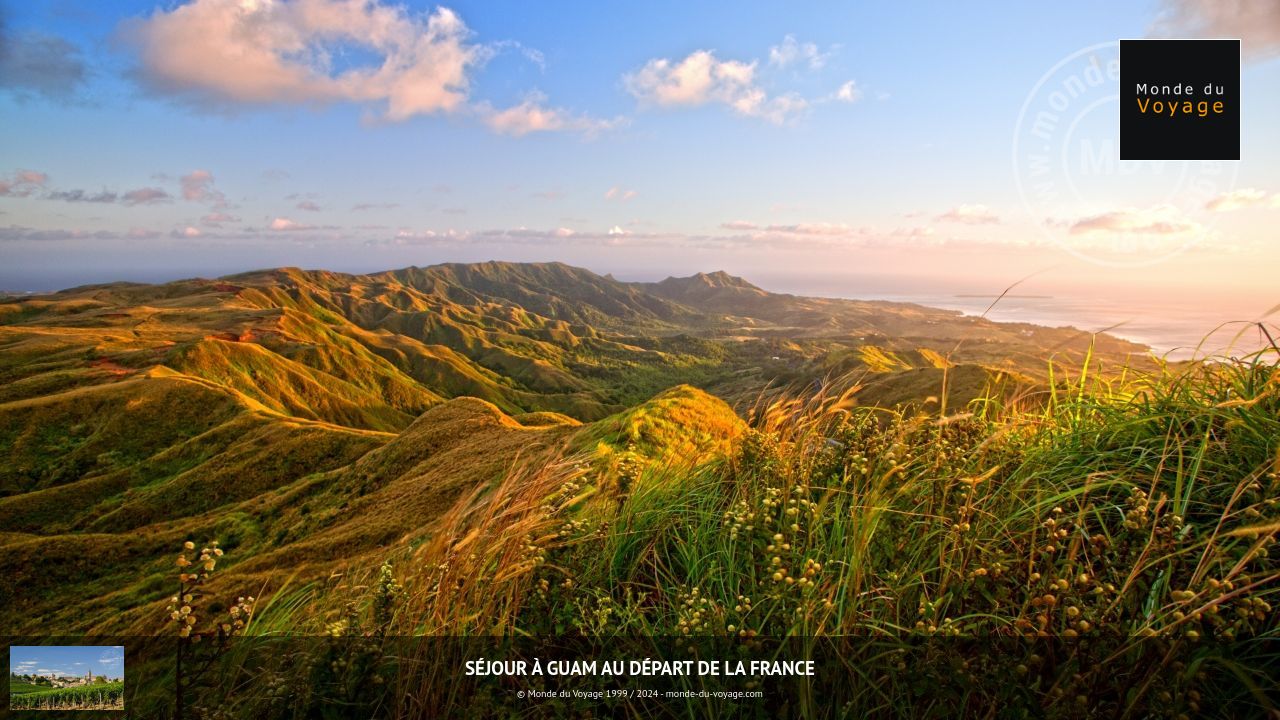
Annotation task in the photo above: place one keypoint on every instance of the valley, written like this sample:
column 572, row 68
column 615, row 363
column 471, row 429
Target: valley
column 308, row 419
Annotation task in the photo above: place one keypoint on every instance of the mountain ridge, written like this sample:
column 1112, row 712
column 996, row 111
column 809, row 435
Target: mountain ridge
column 307, row 416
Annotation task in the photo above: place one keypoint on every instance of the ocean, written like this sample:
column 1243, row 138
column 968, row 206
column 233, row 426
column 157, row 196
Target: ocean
column 1176, row 331
column 1175, row 325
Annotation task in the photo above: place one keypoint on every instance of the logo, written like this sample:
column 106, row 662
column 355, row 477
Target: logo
column 1180, row 99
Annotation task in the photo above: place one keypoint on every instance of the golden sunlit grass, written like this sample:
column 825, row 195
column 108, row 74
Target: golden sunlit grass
column 1113, row 508
column 888, row 483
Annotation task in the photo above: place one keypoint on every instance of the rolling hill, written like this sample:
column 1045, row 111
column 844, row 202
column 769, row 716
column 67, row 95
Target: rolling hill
column 307, row 419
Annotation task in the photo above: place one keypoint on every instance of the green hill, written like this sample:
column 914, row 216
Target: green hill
column 308, row 419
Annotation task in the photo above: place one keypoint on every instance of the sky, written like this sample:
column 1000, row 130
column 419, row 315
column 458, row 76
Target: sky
column 67, row 660
column 852, row 149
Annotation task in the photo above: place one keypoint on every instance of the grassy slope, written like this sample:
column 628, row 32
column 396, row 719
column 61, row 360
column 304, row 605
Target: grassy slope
column 375, row 351
column 256, row 408
column 1112, row 510
column 451, row 456
column 150, row 455
column 1117, row 500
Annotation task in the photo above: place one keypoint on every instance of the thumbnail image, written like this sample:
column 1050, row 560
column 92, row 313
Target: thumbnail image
column 66, row 677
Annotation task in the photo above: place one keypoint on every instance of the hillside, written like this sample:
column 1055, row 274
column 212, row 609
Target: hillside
column 1062, row 561
column 311, row 418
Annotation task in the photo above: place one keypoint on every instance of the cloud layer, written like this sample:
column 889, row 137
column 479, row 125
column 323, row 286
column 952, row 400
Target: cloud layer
column 289, row 225
column 131, row 198
column 532, row 115
column 38, row 64
column 1158, row 220
column 792, row 52
column 22, row 183
column 1242, row 198
column 970, row 215
column 1255, row 22
column 197, row 186
column 266, row 52
column 295, row 52
column 701, row 78
column 28, row 183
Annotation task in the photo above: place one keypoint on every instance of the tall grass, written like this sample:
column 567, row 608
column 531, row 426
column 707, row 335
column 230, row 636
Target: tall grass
column 966, row 517
column 1124, row 507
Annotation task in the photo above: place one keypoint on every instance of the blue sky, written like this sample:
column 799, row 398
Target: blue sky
column 67, row 660
column 868, row 142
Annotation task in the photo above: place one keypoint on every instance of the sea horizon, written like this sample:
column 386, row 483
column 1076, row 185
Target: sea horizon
column 1173, row 330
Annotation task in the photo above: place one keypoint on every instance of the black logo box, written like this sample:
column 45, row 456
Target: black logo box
column 1185, row 65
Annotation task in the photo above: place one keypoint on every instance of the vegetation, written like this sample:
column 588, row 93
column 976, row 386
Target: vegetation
column 521, row 451
column 1141, row 510
column 99, row 696
column 309, row 418
column 201, row 639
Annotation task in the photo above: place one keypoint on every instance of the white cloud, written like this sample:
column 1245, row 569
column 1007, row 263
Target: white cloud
column 826, row 234
column 190, row 232
column 701, row 78
column 1242, row 198
column 1157, row 220
column 22, row 183
column 509, row 236
column 216, row 219
column 532, row 115
column 533, row 55
column 285, row 224
column 849, row 92
column 280, row 52
column 197, row 186
column 970, row 215
column 409, row 237
column 791, row 52
column 828, row 229
column 275, row 52
column 1255, row 22
column 617, row 193
column 915, row 232
column 19, row 233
